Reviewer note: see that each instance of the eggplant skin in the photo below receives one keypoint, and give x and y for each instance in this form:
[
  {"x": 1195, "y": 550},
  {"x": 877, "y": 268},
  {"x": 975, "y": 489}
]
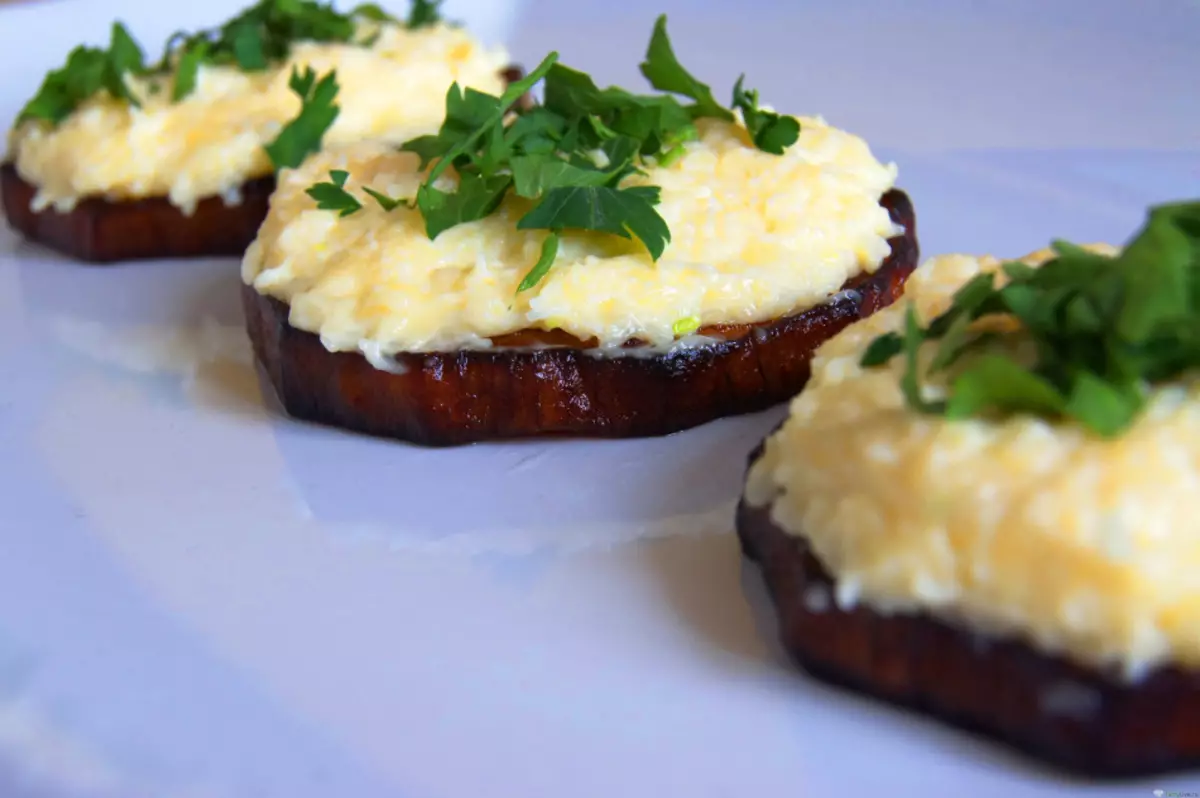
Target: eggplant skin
[
  {"x": 1056, "y": 713},
  {"x": 100, "y": 231},
  {"x": 454, "y": 398}
]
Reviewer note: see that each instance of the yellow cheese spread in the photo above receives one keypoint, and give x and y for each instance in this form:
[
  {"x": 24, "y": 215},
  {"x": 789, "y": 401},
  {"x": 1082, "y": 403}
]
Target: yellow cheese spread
[
  {"x": 754, "y": 236},
  {"x": 211, "y": 142},
  {"x": 1083, "y": 546}
]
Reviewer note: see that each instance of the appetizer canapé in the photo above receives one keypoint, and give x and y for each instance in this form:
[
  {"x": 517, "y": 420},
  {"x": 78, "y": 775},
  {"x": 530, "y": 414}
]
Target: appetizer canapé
[
  {"x": 982, "y": 505},
  {"x": 116, "y": 158},
  {"x": 603, "y": 264}
]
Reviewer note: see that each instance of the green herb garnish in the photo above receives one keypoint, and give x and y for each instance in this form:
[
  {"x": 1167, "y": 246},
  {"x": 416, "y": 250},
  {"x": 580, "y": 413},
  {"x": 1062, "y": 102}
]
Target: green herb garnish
[
  {"x": 333, "y": 196},
  {"x": 187, "y": 70},
  {"x": 88, "y": 71},
  {"x": 423, "y": 14},
  {"x": 303, "y": 135},
  {"x": 771, "y": 132},
  {"x": 625, "y": 212},
  {"x": 686, "y": 326},
  {"x": 257, "y": 38},
  {"x": 385, "y": 202},
  {"x": 1100, "y": 331},
  {"x": 665, "y": 73},
  {"x": 569, "y": 156},
  {"x": 542, "y": 267}
]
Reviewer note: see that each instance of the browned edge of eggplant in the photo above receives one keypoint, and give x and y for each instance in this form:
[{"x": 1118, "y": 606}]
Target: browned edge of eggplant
[
  {"x": 1080, "y": 720},
  {"x": 452, "y": 398}
]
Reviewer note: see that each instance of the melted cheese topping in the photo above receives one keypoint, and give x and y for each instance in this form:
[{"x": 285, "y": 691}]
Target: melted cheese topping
[
  {"x": 754, "y": 236},
  {"x": 1080, "y": 545},
  {"x": 212, "y": 142}
]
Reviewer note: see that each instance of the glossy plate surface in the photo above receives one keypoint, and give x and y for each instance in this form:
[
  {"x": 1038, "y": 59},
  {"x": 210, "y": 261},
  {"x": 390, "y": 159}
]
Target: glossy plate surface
[{"x": 199, "y": 597}]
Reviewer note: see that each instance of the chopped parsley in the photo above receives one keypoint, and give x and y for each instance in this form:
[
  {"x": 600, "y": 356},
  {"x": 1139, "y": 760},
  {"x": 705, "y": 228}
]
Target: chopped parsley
[
  {"x": 569, "y": 156},
  {"x": 1100, "y": 331},
  {"x": 303, "y": 135},
  {"x": 333, "y": 196},
  {"x": 259, "y": 37},
  {"x": 771, "y": 132},
  {"x": 88, "y": 71},
  {"x": 422, "y": 14},
  {"x": 686, "y": 326}
]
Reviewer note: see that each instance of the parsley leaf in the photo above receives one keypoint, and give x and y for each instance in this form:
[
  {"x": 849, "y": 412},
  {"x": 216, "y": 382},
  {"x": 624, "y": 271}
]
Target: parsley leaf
[
  {"x": 304, "y": 134},
  {"x": 910, "y": 383},
  {"x": 665, "y": 73},
  {"x": 333, "y": 196},
  {"x": 628, "y": 213},
  {"x": 464, "y": 140},
  {"x": 387, "y": 203},
  {"x": 188, "y": 71},
  {"x": 1098, "y": 331},
  {"x": 1104, "y": 407},
  {"x": 534, "y": 175},
  {"x": 539, "y": 131},
  {"x": 882, "y": 349},
  {"x": 88, "y": 71},
  {"x": 1156, "y": 291},
  {"x": 475, "y": 198},
  {"x": 466, "y": 112},
  {"x": 570, "y": 93},
  {"x": 424, "y": 13},
  {"x": 676, "y": 146},
  {"x": 248, "y": 47},
  {"x": 652, "y": 120},
  {"x": 771, "y": 132},
  {"x": 63, "y": 89},
  {"x": 373, "y": 12},
  {"x": 997, "y": 383},
  {"x": 659, "y": 122},
  {"x": 542, "y": 267},
  {"x": 124, "y": 57}
]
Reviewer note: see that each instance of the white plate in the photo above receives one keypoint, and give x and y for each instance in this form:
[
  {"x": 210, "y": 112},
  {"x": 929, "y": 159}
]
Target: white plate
[{"x": 199, "y": 597}]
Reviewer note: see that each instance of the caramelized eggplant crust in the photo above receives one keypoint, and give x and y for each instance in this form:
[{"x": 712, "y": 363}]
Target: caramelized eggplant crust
[{"x": 101, "y": 231}]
